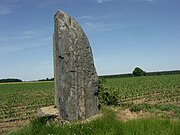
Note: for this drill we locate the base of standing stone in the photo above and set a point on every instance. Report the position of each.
(51, 114)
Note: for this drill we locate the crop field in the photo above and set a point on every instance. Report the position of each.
(20, 101)
(150, 89)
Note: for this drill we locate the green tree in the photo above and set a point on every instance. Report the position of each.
(138, 72)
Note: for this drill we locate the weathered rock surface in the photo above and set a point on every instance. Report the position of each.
(50, 114)
(76, 81)
(49, 111)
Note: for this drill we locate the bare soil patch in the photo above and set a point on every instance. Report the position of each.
(8, 126)
(125, 115)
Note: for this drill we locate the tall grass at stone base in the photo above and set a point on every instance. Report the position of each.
(108, 124)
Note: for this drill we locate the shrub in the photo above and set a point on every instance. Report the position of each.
(138, 72)
(106, 96)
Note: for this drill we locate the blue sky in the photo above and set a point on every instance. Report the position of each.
(123, 34)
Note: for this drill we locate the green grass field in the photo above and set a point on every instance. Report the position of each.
(106, 125)
(155, 94)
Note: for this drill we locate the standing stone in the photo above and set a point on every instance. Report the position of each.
(76, 81)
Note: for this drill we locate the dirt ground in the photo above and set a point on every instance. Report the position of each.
(125, 115)
(8, 126)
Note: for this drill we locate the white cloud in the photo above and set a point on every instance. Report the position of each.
(17, 36)
(24, 35)
(101, 1)
(45, 62)
(6, 6)
(4, 11)
(149, 0)
(86, 17)
(10, 38)
(101, 27)
(29, 32)
(89, 24)
(23, 40)
(99, 24)
(97, 18)
(45, 3)
(9, 49)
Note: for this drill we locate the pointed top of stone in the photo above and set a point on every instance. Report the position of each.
(60, 14)
(64, 18)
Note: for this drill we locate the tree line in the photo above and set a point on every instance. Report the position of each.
(136, 72)
(10, 80)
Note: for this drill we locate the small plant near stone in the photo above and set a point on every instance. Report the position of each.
(106, 96)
